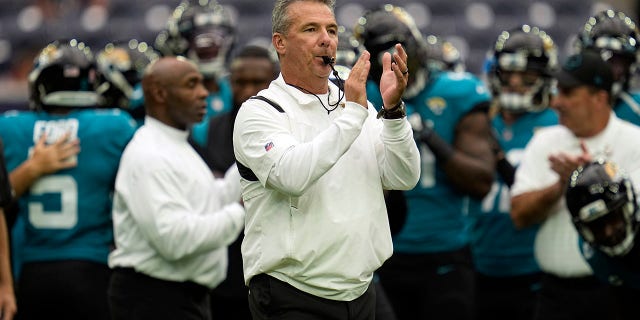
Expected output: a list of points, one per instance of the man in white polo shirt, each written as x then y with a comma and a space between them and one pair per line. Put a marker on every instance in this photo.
315, 161
588, 129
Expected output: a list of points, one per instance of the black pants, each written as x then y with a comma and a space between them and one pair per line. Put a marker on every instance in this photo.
272, 299
384, 309
136, 296
582, 298
626, 299
229, 298
507, 298
430, 286
69, 289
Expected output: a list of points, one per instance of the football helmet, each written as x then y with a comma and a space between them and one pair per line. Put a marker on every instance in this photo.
63, 75
165, 43
603, 207
616, 36
349, 48
202, 31
380, 29
120, 66
347, 54
442, 55
531, 52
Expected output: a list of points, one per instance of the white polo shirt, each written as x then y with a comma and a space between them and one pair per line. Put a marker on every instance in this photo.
316, 218
556, 244
172, 219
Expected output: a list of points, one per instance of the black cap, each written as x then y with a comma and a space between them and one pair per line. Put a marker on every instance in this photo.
585, 69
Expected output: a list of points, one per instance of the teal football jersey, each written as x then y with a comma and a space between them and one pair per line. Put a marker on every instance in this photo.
628, 107
610, 270
67, 214
373, 94
436, 219
499, 249
217, 103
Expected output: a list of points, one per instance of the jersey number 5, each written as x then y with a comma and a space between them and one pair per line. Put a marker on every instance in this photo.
67, 216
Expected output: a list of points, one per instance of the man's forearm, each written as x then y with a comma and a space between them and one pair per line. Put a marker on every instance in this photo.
23, 177
533, 207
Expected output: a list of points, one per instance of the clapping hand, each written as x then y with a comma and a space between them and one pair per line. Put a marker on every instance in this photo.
564, 164
395, 75
355, 87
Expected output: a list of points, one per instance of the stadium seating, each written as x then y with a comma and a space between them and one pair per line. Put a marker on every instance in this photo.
474, 24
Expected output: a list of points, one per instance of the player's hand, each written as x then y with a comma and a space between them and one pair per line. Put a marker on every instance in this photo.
395, 75
8, 307
57, 156
355, 87
564, 164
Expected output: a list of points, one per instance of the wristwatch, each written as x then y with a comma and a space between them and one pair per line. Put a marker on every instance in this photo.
398, 111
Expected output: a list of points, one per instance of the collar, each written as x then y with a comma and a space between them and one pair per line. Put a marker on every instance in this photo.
600, 144
156, 125
306, 98
612, 125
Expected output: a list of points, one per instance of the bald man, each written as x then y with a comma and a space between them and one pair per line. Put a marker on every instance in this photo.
172, 219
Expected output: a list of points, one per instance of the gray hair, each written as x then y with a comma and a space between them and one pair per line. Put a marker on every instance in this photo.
280, 21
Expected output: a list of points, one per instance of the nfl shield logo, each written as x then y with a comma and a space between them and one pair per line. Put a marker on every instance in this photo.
268, 146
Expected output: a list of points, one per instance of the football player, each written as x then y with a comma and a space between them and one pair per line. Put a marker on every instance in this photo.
443, 55
120, 66
204, 32
430, 274
604, 209
520, 77
63, 231
615, 35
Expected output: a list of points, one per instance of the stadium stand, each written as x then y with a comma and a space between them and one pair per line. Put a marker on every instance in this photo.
471, 25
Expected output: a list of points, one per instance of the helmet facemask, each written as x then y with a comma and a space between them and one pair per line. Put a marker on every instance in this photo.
616, 37
538, 86
209, 48
531, 54
202, 32
604, 210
